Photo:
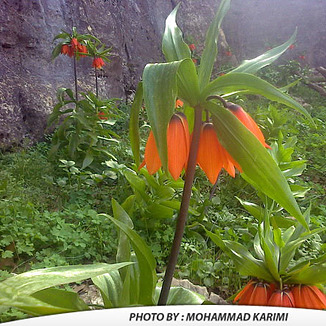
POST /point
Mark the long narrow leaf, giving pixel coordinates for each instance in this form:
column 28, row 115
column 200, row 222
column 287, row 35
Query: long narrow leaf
column 233, row 82
column 160, row 92
column 253, row 65
column 173, row 45
column 259, row 167
column 210, row 50
column 146, row 261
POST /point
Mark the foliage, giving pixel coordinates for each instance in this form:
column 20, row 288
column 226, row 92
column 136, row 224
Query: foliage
column 84, row 135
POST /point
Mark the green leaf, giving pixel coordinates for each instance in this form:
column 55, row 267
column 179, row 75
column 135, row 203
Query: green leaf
column 253, row 65
column 146, row 261
column 188, row 87
column 56, row 51
column 255, row 210
column 88, row 159
column 315, row 274
column 181, row 296
column 259, row 167
column 67, row 300
column 110, row 286
column 173, row 45
column 233, row 82
column 246, row 264
column 160, row 92
column 16, row 291
column 134, row 123
column 210, row 50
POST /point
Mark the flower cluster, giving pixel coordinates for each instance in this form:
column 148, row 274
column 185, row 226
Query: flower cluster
column 74, row 48
column 268, row 294
column 98, row 63
column 211, row 157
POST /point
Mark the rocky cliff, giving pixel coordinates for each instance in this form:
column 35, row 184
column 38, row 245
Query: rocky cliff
column 133, row 28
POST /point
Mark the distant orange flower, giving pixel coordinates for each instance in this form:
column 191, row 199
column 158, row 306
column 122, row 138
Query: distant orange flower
column 65, row 49
column 101, row 115
column 98, row 63
column 309, row 296
column 192, row 47
column 248, row 121
column 228, row 53
column 255, row 293
column 194, row 61
column 82, row 49
column 281, row 298
column 178, row 103
column 212, row 156
column 292, row 46
column 302, row 57
column 74, row 43
column 178, row 142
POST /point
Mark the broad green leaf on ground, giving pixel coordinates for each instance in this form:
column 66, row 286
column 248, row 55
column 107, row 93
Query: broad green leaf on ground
column 16, row 291
column 173, row 45
column 210, row 50
column 181, row 296
column 134, row 123
column 253, row 65
column 234, row 82
column 259, row 167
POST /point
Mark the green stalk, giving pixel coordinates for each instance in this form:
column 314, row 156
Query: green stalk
column 96, row 82
column 75, row 75
column 182, row 217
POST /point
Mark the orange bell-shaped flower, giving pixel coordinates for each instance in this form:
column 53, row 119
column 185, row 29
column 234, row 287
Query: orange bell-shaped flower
column 309, row 296
column 178, row 143
column 212, row 156
column 98, row 63
column 255, row 293
column 281, row 298
column 248, row 121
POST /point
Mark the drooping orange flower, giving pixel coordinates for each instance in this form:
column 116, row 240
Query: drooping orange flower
column 101, row 116
column 192, row 47
column 98, row 63
column 228, row 53
column 178, row 142
column 82, row 49
column 281, row 298
column 74, row 44
column 309, row 296
column 212, row 156
column 178, row 103
column 65, row 49
column 248, row 121
column 255, row 293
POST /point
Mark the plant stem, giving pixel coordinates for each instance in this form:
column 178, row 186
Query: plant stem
column 75, row 75
column 182, row 217
column 96, row 84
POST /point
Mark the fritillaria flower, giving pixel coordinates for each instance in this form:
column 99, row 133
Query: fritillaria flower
column 98, row 63
column 255, row 293
column 178, row 142
column 248, row 121
column 282, row 298
column 192, row 47
column 212, row 156
column 308, row 296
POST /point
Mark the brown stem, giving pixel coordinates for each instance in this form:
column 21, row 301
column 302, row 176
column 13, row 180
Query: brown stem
column 182, row 217
column 96, row 84
column 75, row 75
column 217, row 97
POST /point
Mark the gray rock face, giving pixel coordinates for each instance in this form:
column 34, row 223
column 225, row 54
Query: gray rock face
column 133, row 28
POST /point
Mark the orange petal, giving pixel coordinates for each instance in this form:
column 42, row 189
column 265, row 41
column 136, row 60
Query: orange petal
column 248, row 121
column 152, row 159
column 178, row 145
column 243, row 296
column 281, row 299
column 210, row 156
column 178, row 104
column 259, row 296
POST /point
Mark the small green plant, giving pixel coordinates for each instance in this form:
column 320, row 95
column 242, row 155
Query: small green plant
column 84, row 134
